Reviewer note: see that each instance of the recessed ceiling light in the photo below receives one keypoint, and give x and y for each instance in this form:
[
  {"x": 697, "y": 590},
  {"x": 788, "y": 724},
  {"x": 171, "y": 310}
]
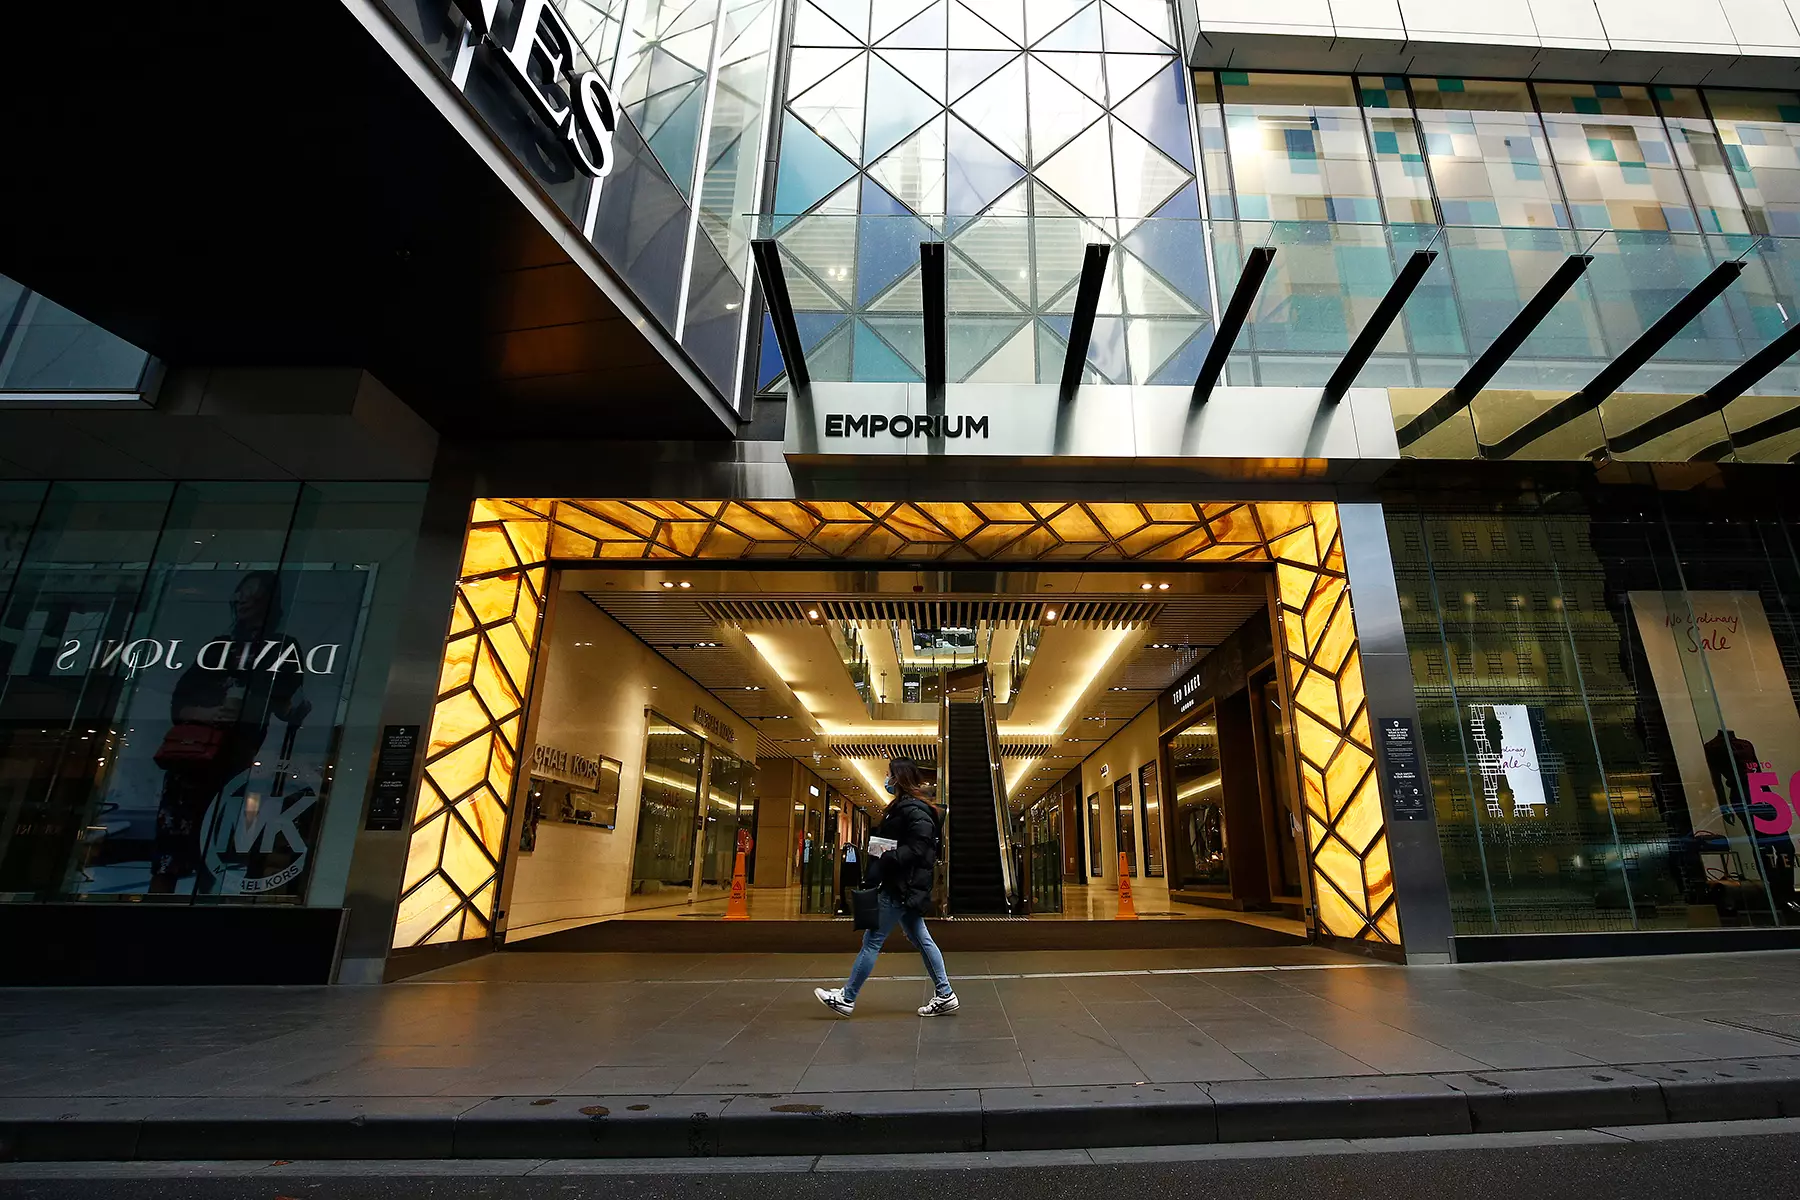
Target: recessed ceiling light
[
  {"x": 668, "y": 583},
  {"x": 1147, "y": 586},
  {"x": 1162, "y": 587}
]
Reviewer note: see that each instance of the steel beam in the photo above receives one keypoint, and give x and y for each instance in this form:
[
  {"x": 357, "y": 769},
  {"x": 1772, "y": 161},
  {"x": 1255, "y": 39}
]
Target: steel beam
[
  {"x": 931, "y": 278},
  {"x": 781, "y": 311},
  {"x": 1081, "y": 325},
  {"x": 1499, "y": 351},
  {"x": 1380, "y": 321},
  {"x": 1231, "y": 321},
  {"x": 1741, "y": 379}
]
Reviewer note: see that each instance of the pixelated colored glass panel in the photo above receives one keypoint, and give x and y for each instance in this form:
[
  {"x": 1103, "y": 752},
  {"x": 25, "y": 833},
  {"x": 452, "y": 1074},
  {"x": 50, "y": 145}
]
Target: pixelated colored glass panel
[
  {"x": 1488, "y": 153},
  {"x": 1761, "y": 136},
  {"x": 1618, "y": 168},
  {"x": 1399, "y": 155},
  {"x": 1701, "y": 157},
  {"x": 1336, "y": 756},
  {"x": 460, "y": 819},
  {"x": 1298, "y": 152}
]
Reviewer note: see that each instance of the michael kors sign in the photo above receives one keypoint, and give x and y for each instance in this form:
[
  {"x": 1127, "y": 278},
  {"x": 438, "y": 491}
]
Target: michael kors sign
[{"x": 538, "y": 51}]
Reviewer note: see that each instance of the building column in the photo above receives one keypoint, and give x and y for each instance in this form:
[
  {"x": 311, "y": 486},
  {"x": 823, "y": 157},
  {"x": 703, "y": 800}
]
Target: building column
[{"x": 1420, "y": 888}]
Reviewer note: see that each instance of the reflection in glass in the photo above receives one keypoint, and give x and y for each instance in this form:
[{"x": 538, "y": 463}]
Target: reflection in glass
[
  {"x": 1617, "y": 166},
  {"x": 1489, "y": 156},
  {"x": 1199, "y": 850},
  {"x": 1298, "y": 150},
  {"x": 664, "y": 855}
]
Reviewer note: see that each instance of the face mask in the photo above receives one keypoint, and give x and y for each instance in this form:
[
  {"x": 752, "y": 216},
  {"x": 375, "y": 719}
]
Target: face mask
[{"x": 893, "y": 789}]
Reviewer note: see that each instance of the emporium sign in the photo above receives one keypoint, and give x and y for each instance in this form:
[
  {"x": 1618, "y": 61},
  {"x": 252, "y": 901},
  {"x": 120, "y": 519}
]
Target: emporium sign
[{"x": 541, "y": 51}]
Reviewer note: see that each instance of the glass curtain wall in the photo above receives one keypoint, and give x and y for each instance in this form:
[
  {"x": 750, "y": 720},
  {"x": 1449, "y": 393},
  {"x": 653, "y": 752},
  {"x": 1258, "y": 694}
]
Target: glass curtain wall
[
  {"x": 189, "y": 674},
  {"x": 1606, "y": 686},
  {"x": 1017, "y": 132},
  {"x": 46, "y": 348},
  {"x": 1506, "y": 180}
]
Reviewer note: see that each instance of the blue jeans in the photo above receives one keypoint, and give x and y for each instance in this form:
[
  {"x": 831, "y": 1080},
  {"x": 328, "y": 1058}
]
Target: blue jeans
[{"x": 894, "y": 913}]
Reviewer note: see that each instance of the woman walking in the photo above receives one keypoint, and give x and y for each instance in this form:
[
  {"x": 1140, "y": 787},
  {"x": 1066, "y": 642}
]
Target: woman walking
[{"x": 904, "y": 876}]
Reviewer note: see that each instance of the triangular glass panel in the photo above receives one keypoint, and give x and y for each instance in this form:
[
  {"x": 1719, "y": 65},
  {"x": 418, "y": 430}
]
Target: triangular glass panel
[
  {"x": 890, "y": 15},
  {"x": 899, "y": 109},
  {"x": 1146, "y": 176},
  {"x": 976, "y": 172},
  {"x": 1080, "y": 32},
  {"x": 1182, "y": 206},
  {"x": 878, "y": 202},
  {"x": 1058, "y": 111},
  {"x": 1081, "y": 172},
  {"x": 925, "y": 31},
  {"x": 1000, "y": 248},
  {"x": 1145, "y": 294},
  {"x": 810, "y": 168},
  {"x": 691, "y": 48},
  {"x": 925, "y": 68},
  {"x": 998, "y": 108},
  {"x": 1052, "y": 346},
  {"x": 1059, "y": 239},
  {"x": 1016, "y": 203},
  {"x": 1126, "y": 73},
  {"x": 906, "y": 296},
  {"x": 877, "y": 361},
  {"x": 1014, "y": 362},
  {"x": 1085, "y": 71},
  {"x": 970, "y": 32},
  {"x": 972, "y": 292},
  {"x": 814, "y": 28},
  {"x": 768, "y": 362},
  {"x": 914, "y": 170},
  {"x": 970, "y": 340},
  {"x": 1125, "y": 35},
  {"x": 846, "y": 201},
  {"x": 1153, "y": 15},
  {"x": 970, "y": 67},
  {"x": 823, "y": 248},
  {"x": 1182, "y": 368},
  {"x": 1176, "y": 248},
  {"x": 676, "y": 142},
  {"x": 886, "y": 247},
  {"x": 1159, "y": 111},
  {"x": 815, "y": 328},
  {"x": 1107, "y": 359},
  {"x": 830, "y": 363},
  {"x": 834, "y": 107},
  {"x": 808, "y": 65},
  {"x": 1043, "y": 16},
  {"x": 808, "y": 295},
  {"x": 1008, "y": 16},
  {"x": 853, "y": 15}
]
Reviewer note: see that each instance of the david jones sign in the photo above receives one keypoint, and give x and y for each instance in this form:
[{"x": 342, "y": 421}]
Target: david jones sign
[
  {"x": 937, "y": 425},
  {"x": 542, "y": 48}
]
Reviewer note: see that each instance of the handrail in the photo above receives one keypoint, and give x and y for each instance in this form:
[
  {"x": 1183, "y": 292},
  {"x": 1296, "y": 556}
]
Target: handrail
[
  {"x": 1002, "y": 811},
  {"x": 940, "y": 879}
]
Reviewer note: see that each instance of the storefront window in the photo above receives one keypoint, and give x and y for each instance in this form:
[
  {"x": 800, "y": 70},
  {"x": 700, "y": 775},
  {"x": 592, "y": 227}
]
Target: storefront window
[
  {"x": 1605, "y": 709},
  {"x": 1125, "y": 823},
  {"x": 1199, "y": 812},
  {"x": 1150, "y": 788},
  {"x": 179, "y": 667}
]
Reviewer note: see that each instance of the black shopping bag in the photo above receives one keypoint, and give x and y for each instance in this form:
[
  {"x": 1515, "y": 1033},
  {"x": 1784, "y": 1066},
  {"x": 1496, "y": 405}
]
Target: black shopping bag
[{"x": 865, "y": 908}]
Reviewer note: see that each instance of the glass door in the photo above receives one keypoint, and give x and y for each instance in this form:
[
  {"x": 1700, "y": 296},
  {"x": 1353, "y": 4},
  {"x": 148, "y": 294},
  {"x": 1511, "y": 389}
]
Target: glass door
[
  {"x": 726, "y": 775},
  {"x": 1199, "y": 850},
  {"x": 669, "y": 801}
]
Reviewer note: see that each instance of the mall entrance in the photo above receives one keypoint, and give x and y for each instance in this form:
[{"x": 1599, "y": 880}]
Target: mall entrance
[{"x": 1112, "y": 726}]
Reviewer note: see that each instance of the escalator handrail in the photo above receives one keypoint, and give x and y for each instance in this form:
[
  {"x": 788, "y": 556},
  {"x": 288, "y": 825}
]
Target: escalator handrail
[
  {"x": 1002, "y": 811},
  {"x": 940, "y": 880}
]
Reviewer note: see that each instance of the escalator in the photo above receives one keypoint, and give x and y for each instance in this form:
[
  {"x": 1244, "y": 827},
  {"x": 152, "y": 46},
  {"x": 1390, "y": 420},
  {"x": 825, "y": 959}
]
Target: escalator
[{"x": 981, "y": 879}]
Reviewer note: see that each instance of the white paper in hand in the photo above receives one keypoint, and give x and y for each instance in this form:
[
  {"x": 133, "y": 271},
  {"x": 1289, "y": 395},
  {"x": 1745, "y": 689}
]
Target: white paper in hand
[{"x": 879, "y": 846}]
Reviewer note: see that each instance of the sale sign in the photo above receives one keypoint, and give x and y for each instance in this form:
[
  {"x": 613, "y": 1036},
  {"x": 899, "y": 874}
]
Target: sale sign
[{"x": 1731, "y": 716}]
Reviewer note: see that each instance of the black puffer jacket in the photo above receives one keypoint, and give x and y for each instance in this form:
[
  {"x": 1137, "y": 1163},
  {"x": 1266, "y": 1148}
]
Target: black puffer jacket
[{"x": 906, "y": 870}]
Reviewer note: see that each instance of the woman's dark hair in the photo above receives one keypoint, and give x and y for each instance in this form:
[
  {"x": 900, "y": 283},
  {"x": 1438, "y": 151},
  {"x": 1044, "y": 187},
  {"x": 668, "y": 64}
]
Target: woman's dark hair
[{"x": 911, "y": 779}]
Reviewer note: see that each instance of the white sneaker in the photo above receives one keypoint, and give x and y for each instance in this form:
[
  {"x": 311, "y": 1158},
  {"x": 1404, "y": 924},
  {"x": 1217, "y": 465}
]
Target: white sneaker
[
  {"x": 833, "y": 998},
  {"x": 941, "y": 1006}
]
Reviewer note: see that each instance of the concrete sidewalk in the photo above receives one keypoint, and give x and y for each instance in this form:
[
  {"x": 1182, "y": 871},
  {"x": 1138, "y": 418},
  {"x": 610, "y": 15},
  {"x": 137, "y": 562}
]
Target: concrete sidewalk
[{"x": 553, "y": 1056}]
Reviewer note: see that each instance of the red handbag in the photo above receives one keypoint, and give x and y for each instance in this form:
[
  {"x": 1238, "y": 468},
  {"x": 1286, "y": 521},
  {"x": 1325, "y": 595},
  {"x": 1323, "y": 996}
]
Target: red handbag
[{"x": 189, "y": 746}]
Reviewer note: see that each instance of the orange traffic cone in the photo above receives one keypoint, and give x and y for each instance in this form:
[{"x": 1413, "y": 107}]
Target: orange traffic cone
[
  {"x": 737, "y": 908},
  {"x": 1127, "y": 910}
]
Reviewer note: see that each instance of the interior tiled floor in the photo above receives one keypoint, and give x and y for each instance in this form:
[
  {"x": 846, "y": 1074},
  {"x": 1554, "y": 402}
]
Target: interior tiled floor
[{"x": 612, "y": 1024}]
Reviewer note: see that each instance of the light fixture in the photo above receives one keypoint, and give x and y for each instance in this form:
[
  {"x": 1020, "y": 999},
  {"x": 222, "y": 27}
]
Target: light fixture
[
  {"x": 1162, "y": 587},
  {"x": 668, "y": 583},
  {"x": 684, "y": 583},
  {"x": 1147, "y": 586},
  {"x": 1049, "y": 616}
]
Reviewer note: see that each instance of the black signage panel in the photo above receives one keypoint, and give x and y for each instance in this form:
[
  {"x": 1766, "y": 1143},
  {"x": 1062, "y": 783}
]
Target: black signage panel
[
  {"x": 393, "y": 778},
  {"x": 1399, "y": 742}
]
